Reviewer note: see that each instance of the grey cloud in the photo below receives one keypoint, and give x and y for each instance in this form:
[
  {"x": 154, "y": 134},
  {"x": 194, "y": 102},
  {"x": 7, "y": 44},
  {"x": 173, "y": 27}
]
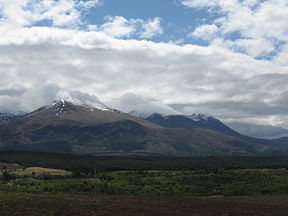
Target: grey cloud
[
  {"x": 13, "y": 92},
  {"x": 9, "y": 104},
  {"x": 258, "y": 131},
  {"x": 132, "y": 103},
  {"x": 230, "y": 109},
  {"x": 38, "y": 96},
  {"x": 85, "y": 97}
]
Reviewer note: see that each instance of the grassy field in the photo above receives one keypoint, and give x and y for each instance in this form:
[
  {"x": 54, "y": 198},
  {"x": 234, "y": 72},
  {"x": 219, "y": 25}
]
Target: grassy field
[
  {"x": 100, "y": 205},
  {"x": 40, "y": 171}
]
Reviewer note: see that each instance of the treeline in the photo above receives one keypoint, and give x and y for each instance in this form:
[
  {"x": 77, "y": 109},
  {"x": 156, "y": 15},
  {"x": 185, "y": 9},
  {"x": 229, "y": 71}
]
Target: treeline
[{"x": 93, "y": 164}]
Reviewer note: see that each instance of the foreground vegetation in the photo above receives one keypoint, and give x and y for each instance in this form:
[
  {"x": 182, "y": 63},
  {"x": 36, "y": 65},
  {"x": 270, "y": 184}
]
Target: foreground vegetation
[
  {"x": 155, "y": 183},
  {"x": 58, "y": 182},
  {"x": 143, "y": 176}
]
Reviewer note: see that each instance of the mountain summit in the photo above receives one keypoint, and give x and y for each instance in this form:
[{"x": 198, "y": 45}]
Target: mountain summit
[{"x": 81, "y": 103}]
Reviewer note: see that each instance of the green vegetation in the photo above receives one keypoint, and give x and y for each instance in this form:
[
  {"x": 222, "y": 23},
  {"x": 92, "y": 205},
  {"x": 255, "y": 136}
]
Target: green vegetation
[
  {"x": 157, "y": 183},
  {"x": 143, "y": 176}
]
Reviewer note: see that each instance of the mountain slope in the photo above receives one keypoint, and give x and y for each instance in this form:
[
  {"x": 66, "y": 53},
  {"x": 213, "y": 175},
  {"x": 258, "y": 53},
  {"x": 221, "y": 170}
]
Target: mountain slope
[
  {"x": 192, "y": 121},
  {"x": 6, "y": 116},
  {"x": 77, "y": 127},
  {"x": 209, "y": 122}
]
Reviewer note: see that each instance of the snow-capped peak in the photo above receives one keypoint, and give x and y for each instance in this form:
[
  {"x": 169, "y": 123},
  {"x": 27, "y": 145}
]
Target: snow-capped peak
[
  {"x": 199, "y": 117},
  {"x": 88, "y": 105}
]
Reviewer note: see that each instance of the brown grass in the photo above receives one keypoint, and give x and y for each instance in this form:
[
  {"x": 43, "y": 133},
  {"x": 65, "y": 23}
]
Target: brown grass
[{"x": 57, "y": 204}]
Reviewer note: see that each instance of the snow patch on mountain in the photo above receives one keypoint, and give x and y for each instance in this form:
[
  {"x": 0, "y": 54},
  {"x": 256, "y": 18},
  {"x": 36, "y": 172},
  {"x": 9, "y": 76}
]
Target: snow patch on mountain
[
  {"x": 195, "y": 117},
  {"x": 199, "y": 117},
  {"x": 10, "y": 115},
  {"x": 89, "y": 105},
  {"x": 92, "y": 106}
]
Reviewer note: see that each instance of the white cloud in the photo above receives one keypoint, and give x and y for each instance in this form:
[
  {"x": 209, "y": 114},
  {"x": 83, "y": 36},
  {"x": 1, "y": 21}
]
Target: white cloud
[
  {"x": 258, "y": 24},
  {"x": 151, "y": 28},
  {"x": 117, "y": 27},
  {"x": 282, "y": 56},
  {"x": 28, "y": 12},
  {"x": 89, "y": 4},
  {"x": 205, "y": 32},
  {"x": 253, "y": 47}
]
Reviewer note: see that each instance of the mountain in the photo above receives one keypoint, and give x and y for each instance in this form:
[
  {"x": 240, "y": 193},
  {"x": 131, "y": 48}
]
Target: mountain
[
  {"x": 6, "y": 116},
  {"x": 191, "y": 121},
  {"x": 73, "y": 126},
  {"x": 209, "y": 122}
]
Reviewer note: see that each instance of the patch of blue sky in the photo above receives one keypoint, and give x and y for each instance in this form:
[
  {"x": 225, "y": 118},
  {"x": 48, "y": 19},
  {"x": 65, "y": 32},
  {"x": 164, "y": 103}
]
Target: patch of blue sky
[
  {"x": 233, "y": 36},
  {"x": 43, "y": 23},
  {"x": 177, "y": 21}
]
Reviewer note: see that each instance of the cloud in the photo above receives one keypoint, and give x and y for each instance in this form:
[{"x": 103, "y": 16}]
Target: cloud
[
  {"x": 259, "y": 131},
  {"x": 151, "y": 28},
  {"x": 253, "y": 47},
  {"x": 205, "y": 32},
  {"x": 282, "y": 56},
  {"x": 254, "y": 27},
  {"x": 140, "y": 106},
  {"x": 89, "y": 4},
  {"x": 120, "y": 27},
  {"x": 212, "y": 79},
  {"x": 29, "y": 12},
  {"x": 12, "y": 92},
  {"x": 117, "y": 27}
]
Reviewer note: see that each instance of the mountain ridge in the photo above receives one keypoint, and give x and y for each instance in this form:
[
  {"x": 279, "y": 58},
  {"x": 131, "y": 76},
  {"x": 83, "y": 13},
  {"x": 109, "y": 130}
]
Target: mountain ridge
[{"x": 70, "y": 127}]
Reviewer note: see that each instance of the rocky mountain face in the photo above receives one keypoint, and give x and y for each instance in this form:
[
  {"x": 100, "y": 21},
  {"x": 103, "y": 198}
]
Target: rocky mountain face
[{"x": 73, "y": 126}]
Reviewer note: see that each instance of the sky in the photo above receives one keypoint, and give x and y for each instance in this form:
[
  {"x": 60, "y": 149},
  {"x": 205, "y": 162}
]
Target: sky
[{"x": 224, "y": 58}]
